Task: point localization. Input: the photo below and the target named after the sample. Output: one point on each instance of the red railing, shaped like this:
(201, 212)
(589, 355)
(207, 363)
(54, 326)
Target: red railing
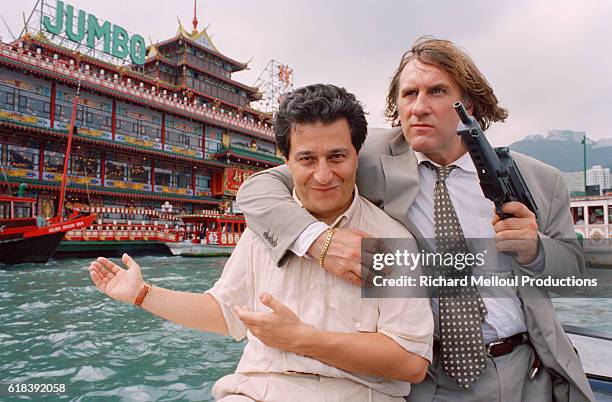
(124, 232)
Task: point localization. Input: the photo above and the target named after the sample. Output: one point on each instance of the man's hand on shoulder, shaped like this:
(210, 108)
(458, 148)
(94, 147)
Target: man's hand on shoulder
(519, 234)
(343, 256)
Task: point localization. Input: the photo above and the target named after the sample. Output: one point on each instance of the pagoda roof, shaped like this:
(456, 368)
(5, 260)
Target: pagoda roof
(200, 40)
(154, 55)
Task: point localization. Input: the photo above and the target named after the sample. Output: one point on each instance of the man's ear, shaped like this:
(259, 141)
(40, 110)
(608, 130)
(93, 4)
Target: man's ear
(469, 106)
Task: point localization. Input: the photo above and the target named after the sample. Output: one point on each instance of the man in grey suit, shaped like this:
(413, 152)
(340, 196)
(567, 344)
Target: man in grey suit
(420, 174)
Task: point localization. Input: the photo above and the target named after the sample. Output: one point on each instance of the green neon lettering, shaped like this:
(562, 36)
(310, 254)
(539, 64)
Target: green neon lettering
(120, 42)
(75, 37)
(138, 49)
(59, 19)
(95, 31)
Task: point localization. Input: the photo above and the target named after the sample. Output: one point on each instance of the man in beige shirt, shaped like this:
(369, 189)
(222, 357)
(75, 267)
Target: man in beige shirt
(311, 336)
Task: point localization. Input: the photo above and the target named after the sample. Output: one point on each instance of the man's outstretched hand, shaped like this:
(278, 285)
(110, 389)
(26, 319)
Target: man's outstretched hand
(118, 283)
(343, 257)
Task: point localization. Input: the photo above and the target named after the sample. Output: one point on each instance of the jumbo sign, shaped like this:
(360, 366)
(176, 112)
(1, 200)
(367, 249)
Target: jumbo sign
(115, 40)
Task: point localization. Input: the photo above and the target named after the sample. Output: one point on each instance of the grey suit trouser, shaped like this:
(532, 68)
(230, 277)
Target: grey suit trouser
(505, 379)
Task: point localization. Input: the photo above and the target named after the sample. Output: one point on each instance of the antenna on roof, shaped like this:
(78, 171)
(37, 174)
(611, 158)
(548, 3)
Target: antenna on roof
(195, 18)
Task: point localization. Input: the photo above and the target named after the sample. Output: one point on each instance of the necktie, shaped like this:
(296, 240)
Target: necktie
(462, 348)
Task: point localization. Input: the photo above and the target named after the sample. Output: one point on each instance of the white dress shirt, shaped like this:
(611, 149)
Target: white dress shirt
(504, 315)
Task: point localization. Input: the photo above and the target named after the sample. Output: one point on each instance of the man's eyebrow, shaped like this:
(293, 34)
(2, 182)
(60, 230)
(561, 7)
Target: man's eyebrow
(304, 153)
(338, 151)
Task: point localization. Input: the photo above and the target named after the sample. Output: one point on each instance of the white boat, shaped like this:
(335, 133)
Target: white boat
(593, 223)
(189, 249)
(208, 235)
(592, 347)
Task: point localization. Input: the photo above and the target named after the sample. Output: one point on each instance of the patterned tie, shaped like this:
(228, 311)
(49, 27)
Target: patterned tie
(462, 348)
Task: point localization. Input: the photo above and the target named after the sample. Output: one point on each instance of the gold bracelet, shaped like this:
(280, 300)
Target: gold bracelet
(330, 233)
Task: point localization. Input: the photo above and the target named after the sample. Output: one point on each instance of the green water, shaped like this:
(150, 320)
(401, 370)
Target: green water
(57, 328)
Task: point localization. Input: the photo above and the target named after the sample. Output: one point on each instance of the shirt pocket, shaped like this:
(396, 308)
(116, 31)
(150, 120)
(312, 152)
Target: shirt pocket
(352, 312)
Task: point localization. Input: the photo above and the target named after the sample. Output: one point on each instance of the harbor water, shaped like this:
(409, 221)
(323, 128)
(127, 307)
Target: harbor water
(57, 328)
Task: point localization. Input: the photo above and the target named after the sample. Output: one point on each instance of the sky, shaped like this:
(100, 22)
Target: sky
(549, 61)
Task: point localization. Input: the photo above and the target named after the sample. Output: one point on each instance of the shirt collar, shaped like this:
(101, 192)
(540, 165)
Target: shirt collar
(464, 162)
(345, 216)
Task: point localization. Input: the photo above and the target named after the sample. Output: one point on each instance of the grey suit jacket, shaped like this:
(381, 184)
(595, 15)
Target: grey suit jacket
(388, 177)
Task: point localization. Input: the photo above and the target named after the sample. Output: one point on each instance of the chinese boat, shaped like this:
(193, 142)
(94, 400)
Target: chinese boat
(170, 125)
(208, 235)
(26, 238)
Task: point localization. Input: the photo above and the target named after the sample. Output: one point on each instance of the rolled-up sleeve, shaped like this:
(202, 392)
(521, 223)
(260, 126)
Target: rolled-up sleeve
(409, 322)
(234, 286)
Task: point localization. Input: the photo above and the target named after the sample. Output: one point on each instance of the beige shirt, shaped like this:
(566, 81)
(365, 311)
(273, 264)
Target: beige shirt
(322, 301)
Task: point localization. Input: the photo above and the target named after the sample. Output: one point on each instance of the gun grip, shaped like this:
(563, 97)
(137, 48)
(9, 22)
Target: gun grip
(499, 211)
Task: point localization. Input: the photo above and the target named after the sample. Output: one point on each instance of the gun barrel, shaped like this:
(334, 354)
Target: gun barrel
(465, 119)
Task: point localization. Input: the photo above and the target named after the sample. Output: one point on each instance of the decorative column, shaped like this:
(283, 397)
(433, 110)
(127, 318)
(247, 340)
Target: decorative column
(152, 175)
(163, 131)
(114, 119)
(41, 158)
(102, 167)
(53, 95)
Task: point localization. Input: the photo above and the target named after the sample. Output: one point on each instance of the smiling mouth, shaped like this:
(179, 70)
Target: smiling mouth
(324, 189)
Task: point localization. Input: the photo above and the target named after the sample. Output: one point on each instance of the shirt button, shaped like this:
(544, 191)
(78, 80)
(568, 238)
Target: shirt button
(313, 286)
(357, 324)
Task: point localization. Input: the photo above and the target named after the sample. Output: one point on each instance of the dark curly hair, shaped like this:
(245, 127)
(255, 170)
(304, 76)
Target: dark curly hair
(319, 103)
(443, 54)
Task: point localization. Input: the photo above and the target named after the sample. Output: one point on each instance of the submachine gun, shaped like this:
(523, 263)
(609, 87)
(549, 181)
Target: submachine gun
(500, 178)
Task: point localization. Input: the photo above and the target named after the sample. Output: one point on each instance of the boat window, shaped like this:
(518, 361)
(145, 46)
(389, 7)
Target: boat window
(596, 214)
(54, 160)
(183, 133)
(183, 177)
(213, 140)
(163, 174)
(139, 173)
(202, 182)
(5, 210)
(31, 104)
(115, 170)
(84, 165)
(63, 114)
(7, 98)
(22, 210)
(578, 215)
(25, 157)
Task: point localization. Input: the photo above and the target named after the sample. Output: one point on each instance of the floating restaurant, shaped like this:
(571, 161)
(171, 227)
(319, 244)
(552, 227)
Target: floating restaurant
(158, 128)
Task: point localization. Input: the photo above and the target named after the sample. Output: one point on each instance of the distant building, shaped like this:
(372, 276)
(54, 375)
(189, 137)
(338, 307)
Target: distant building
(574, 180)
(598, 175)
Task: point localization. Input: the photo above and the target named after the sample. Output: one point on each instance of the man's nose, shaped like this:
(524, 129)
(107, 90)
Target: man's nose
(420, 105)
(323, 174)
